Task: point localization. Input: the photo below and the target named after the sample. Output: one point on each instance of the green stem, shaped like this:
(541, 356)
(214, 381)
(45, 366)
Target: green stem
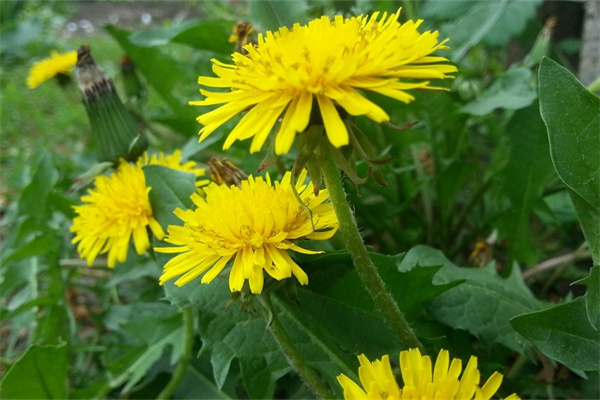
(513, 372)
(188, 326)
(408, 10)
(294, 357)
(364, 265)
(594, 86)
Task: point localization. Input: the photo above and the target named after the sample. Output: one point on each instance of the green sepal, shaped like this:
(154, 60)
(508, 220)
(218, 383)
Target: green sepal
(345, 165)
(316, 175)
(114, 131)
(307, 143)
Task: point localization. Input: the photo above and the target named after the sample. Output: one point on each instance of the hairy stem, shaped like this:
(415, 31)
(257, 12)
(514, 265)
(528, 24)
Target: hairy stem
(364, 265)
(291, 352)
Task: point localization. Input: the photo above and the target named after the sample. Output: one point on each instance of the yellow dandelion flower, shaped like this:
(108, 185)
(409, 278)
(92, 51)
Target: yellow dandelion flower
(173, 161)
(49, 67)
(324, 64)
(115, 210)
(252, 225)
(421, 381)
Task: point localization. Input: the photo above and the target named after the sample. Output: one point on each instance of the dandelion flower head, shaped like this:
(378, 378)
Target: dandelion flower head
(326, 65)
(421, 381)
(118, 209)
(49, 67)
(252, 225)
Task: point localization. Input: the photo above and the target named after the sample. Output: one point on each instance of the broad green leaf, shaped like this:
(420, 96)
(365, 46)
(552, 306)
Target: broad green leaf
(512, 22)
(482, 304)
(165, 75)
(38, 245)
(574, 137)
(270, 15)
(33, 198)
(497, 21)
(203, 35)
(323, 345)
(255, 372)
(465, 33)
(199, 383)
(572, 117)
(140, 347)
(42, 373)
(170, 189)
(524, 178)
(330, 325)
(412, 288)
(441, 10)
(589, 218)
(512, 90)
(592, 296)
(124, 272)
(564, 334)
(229, 333)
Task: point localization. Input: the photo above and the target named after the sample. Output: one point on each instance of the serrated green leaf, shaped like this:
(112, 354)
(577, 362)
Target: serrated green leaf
(229, 333)
(564, 334)
(170, 189)
(270, 15)
(482, 304)
(130, 365)
(524, 178)
(592, 296)
(328, 332)
(203, 35)
(255, 372)
(411, 288)
(572, 117)
(512, 90)
(40, 374)
(199, 383)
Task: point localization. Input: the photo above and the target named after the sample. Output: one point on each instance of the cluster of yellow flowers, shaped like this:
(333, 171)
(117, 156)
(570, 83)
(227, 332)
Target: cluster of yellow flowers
(118, 209)
(326, 65)
(327, 62)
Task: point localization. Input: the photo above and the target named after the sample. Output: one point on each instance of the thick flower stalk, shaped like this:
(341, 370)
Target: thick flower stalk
(253, 225)
(323, 66)
(117, 209)
(55, 65)
(420, 380)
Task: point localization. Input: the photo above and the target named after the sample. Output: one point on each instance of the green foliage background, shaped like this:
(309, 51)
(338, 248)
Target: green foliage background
(485, 195)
